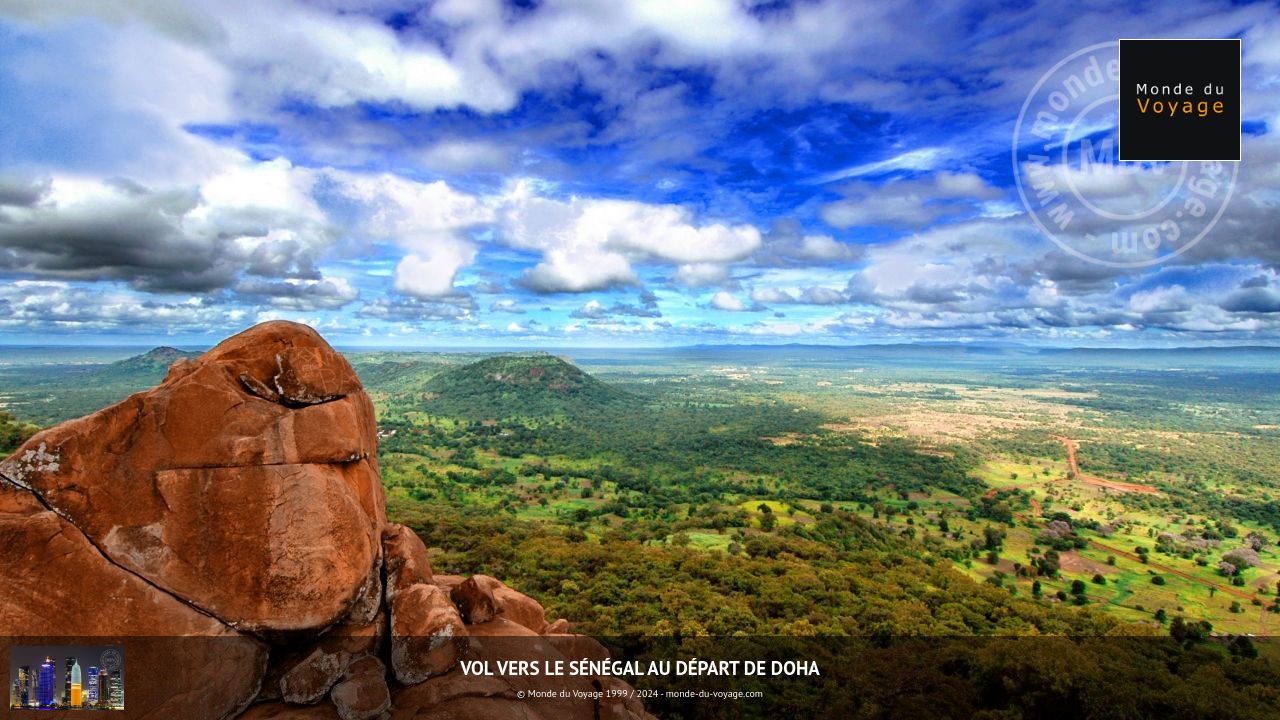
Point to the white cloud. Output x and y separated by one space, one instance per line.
1173 298
37 305
771 296
589 244
427 219
251 217
592 309
919 159
431 274
696 275
727 301
564 270
505 305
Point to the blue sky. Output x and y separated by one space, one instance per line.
592 173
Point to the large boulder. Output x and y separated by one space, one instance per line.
246 483
427 634
363 693
407 560
310 678
481 598
56 586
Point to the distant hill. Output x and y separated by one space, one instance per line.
143 370
512 385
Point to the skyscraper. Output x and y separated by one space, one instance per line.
91 687
104 685
25 682
77 686
45 691
116 690
66 683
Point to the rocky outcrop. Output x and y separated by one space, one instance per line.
228 527
265 512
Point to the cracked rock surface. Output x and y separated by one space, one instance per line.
228 527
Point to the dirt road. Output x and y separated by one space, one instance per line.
1116 485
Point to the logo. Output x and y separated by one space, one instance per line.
1180 100
1082 196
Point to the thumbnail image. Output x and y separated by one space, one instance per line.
66 677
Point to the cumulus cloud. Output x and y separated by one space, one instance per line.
787 245
724 300
54 306
430 220
697 275
812 295
254 218
818 295
589 244
431 274
595 310
412 309
299 294
772 296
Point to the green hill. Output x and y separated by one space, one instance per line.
519 385
145 370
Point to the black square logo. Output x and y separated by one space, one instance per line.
1179 100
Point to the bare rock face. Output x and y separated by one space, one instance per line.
363 692
427 634
245 484
406 557
309 680
228 529
481 598
55 584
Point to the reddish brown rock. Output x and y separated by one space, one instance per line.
578 647
56 586
481 598
363 692
368 605
447 582
559 627
246 483
282 711
344 640
426 633
499 627
310 679
406 558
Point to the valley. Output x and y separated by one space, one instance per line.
795 491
